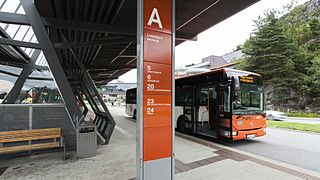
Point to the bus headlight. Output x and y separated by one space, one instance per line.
227 133
234 133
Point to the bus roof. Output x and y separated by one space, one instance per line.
241 71
218 70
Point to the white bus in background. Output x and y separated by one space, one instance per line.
131 102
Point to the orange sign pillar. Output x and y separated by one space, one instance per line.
155 89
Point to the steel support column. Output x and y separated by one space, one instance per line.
104 135
89 88
53 60
85 90
27 70
88 82
80 98
91 91
173 55
139 131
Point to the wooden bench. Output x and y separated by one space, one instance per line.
53 135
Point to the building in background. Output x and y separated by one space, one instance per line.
229 60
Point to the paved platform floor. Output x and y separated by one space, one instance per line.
196 159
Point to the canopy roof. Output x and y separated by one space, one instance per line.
101 34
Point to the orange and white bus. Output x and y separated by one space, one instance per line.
223 103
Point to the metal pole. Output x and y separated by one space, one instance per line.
173 88
139 142
30 117
30 122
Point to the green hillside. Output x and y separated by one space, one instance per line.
286 52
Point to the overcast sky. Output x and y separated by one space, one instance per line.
222 38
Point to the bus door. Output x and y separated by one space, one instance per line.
205 110
188 109
225 111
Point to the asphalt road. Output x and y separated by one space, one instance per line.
296 148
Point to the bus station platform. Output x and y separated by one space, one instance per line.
59 52
195 159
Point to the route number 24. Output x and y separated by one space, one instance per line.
150 110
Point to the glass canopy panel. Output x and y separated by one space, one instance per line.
3 25
20 34
10 6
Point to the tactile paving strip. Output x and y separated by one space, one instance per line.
182 167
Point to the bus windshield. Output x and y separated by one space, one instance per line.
248 100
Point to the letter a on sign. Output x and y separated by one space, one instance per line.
155 18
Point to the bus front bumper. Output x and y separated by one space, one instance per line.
248 134
245 134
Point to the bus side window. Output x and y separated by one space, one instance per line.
134 97
188 98
203 97
213 93
226 99
131 96
179 99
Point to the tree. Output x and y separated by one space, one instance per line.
313 80
273 54
238 48
312 47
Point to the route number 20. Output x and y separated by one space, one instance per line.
150 86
